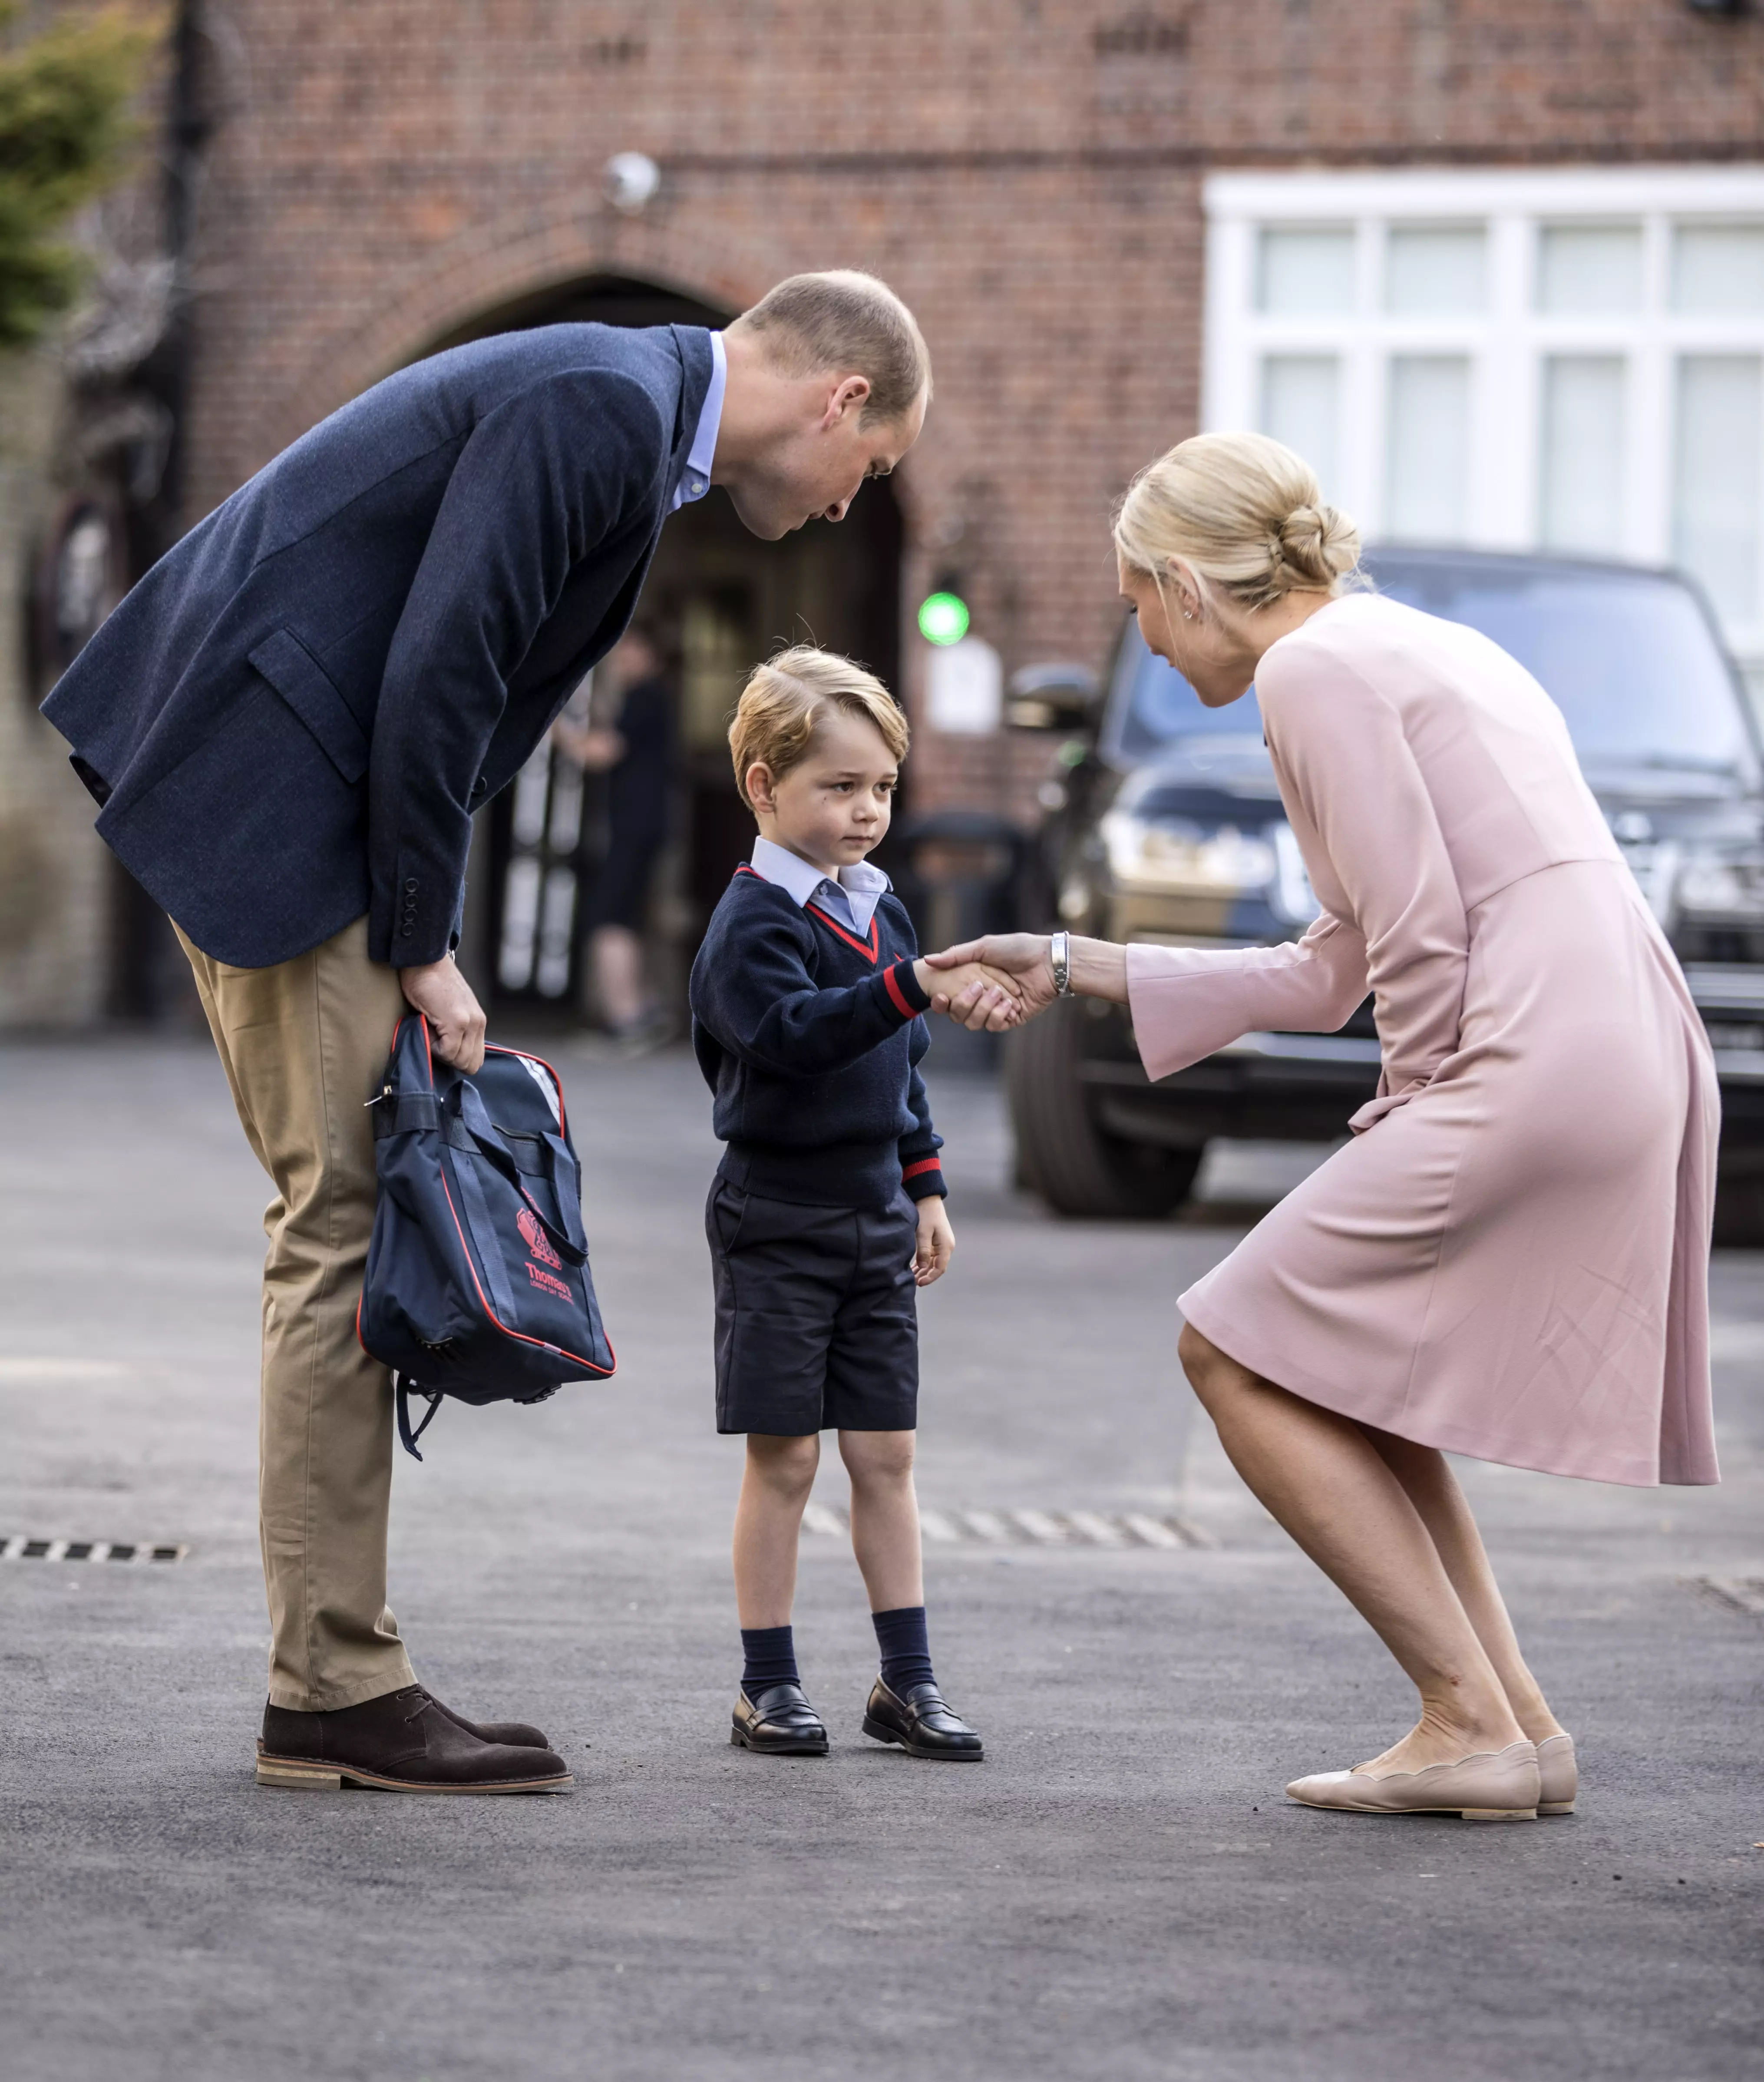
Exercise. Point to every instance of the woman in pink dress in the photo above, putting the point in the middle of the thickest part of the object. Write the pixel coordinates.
(1509, 1258)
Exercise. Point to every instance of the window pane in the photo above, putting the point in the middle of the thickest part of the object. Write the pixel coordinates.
(1428, 451)
(1304, 273)
(1582, 474)
(1590, 267)
(1716, 480)
(1718, 267)
(1299, 404)
(1439, 269)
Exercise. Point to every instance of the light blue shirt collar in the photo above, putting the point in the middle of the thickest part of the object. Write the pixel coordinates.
(852, 899)
(695, 479)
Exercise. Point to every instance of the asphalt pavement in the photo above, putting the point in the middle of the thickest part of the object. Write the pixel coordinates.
(1119, 1891)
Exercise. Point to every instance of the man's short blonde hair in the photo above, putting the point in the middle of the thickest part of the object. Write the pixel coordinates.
(785, 699)
(845, 323)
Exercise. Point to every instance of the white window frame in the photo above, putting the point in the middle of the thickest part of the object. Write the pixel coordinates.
(1506, 344)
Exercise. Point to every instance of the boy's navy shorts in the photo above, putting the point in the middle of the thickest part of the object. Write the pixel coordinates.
(817, 1315)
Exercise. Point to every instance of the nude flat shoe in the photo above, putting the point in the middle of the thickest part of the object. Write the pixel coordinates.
(1559, 1777)
(1493, 1785)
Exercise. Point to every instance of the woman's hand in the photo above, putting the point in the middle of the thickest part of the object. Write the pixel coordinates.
(973, 995)
(1022, 958)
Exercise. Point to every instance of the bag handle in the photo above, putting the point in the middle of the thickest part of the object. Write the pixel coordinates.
(466, 1102)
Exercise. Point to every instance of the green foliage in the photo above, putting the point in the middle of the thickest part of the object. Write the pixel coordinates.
(66, 124)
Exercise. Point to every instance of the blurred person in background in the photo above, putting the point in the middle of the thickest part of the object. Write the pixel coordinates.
(629, 739)
(287, 724)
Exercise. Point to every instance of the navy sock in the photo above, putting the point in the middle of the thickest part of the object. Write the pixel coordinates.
(769, 1658)
(906, 1649)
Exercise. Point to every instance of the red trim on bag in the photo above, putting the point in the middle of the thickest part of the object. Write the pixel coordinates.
(918, 1170)
(891, 978)
(492, 1048)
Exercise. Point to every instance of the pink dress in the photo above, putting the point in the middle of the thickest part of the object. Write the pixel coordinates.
(1510, 1257)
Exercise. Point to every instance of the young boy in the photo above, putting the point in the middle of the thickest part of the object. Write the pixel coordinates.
(827, 1212)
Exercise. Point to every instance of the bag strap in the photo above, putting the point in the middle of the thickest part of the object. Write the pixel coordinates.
(466, 1106)
(406, 1436)
(490, 1251)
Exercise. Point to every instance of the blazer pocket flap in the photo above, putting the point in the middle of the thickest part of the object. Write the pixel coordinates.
(310, 692)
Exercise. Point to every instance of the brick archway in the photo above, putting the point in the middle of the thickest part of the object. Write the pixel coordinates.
(499, 262)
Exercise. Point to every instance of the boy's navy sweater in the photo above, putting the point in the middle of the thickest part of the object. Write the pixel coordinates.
(810, 1038)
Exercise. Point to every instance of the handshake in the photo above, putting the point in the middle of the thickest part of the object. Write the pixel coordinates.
(991, 985)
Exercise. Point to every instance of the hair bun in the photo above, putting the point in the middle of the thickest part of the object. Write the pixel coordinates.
(1318, 544)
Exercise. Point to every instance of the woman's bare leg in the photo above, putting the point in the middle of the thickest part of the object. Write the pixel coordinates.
(1323, 1479)
(1444, 1510)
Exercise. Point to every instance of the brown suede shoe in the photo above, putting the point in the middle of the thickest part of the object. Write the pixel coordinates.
(510, 1734)
(403, 1742)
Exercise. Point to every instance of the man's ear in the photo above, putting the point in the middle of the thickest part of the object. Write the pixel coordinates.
(759, 784)
(846, 400)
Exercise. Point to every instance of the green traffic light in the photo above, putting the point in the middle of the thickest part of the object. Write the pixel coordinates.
(943, 618)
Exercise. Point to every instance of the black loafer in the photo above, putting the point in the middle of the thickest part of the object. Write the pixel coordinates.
(403, 1742)
(921, 1724)
(780, 1723)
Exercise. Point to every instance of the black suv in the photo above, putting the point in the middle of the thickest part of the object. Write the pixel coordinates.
(1165, 825)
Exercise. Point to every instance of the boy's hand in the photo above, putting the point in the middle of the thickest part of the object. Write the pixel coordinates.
(973, 994)
(937, 1241)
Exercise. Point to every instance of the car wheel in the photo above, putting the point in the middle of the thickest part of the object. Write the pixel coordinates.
(1062, 1153)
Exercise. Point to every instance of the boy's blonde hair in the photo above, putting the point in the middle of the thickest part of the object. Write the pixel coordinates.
(785, 699)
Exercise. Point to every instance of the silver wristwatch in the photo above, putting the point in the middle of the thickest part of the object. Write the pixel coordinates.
(1059, 961)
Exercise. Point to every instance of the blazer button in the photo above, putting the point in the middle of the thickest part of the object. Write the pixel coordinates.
(406, 932)
(410, 886)
(478, 787)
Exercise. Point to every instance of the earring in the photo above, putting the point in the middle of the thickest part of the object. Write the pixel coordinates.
(1187, 614)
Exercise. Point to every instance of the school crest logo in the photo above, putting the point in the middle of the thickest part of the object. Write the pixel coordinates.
(537, 1242)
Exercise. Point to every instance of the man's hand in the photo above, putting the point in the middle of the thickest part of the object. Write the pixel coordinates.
(937, 1241)
(442, 994)
(984, 995)
(1020, 959)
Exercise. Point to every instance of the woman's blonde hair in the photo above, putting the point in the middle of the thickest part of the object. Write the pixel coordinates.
(1245, 512)
(785, 699)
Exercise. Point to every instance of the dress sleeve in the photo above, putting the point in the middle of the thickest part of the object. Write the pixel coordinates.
(1340, 743)
(1187, 1001)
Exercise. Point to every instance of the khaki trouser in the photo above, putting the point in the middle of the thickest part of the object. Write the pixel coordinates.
(303, 1044)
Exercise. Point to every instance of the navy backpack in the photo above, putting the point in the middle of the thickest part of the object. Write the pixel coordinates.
(477, 1281)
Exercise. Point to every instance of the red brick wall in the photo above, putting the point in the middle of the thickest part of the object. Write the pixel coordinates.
(1025, 172)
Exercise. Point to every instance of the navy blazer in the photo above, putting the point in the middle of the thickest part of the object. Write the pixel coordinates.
(290, 719)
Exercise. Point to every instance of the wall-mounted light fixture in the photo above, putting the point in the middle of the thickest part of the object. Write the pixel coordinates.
(633, 179)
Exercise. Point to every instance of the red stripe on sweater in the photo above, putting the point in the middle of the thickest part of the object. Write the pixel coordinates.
(891, 979)
(918, 1170)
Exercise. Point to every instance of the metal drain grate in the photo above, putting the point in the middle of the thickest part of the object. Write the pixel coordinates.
(1744, 1594)
(1030, 1528)
(18, 1547)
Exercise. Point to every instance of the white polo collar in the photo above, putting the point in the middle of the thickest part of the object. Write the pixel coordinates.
(861, 887)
